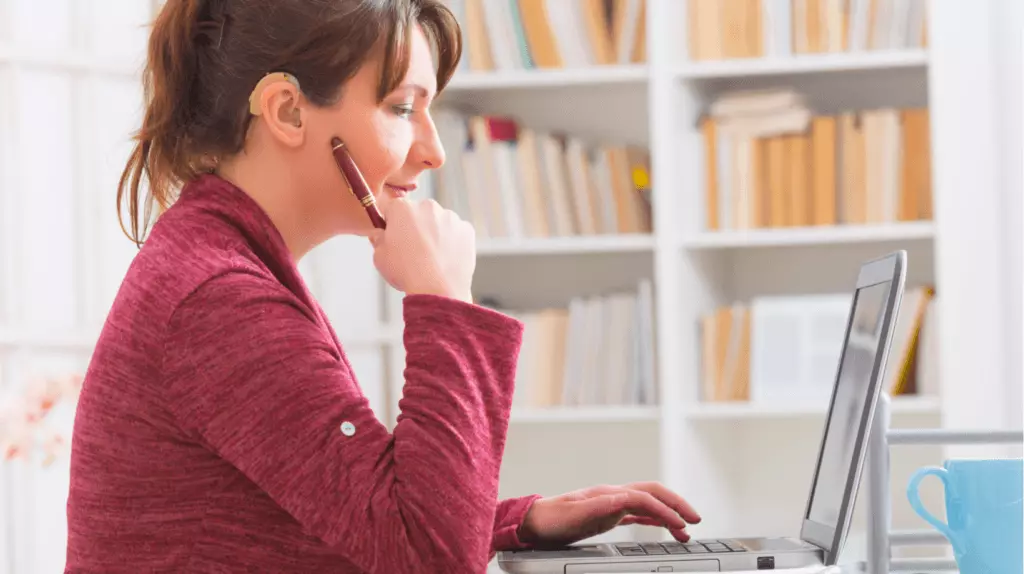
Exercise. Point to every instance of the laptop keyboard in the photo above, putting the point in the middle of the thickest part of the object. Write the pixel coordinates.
(692, 547)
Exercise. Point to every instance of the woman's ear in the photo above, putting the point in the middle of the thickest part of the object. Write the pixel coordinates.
(280, 107)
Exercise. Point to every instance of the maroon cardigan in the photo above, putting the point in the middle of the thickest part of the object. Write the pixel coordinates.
(221, 428)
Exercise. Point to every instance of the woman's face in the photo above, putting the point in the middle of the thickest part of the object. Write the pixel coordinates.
(392, 142)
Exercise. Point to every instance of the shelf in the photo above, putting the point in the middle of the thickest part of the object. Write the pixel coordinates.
(43, 341)
(751, 411)
(548, 78)
(72, 61)
(911, 231)
(566, 245)
(805, 64)
(828, 83)
(383, 335)
(588, 414)
(575, 101)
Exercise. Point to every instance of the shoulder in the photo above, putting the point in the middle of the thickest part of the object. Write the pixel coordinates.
(185, 252)
(233, 295)
(181, 258)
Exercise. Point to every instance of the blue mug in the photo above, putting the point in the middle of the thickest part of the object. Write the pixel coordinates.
(984, 510)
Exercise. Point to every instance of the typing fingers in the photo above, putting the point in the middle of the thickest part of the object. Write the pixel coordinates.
(642, 503)
(671, 499)
(679, 534)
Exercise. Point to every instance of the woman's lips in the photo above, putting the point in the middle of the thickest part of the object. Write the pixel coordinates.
(400, 190)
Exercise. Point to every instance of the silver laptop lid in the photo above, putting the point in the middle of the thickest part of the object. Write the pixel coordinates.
(854, 395)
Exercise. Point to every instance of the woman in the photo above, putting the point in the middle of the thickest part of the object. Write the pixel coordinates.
(220, 427)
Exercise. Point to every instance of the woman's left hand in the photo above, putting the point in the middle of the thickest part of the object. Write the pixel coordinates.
(568, 518)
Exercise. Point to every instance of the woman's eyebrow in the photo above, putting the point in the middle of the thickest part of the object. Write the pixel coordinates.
(419, 89)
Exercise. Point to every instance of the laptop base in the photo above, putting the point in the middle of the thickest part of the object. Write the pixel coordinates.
(721, 555)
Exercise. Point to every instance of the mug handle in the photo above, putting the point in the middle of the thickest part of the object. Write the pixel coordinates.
(915, 501)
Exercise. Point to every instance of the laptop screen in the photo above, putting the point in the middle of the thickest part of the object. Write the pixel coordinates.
(850, 403)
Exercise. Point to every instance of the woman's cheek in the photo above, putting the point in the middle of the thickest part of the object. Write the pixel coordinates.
(384, 146)
(396, 140)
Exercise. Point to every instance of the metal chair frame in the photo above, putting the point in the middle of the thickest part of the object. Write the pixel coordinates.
(881, 537)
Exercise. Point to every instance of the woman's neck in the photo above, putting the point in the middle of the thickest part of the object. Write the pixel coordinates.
(272, 188)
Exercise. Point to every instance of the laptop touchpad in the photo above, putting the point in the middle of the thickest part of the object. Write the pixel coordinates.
(636, 566)
(582, 551)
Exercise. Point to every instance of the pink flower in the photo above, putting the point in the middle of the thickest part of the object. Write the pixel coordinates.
(22, 418)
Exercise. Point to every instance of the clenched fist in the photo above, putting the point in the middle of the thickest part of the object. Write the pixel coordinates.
(426, 249)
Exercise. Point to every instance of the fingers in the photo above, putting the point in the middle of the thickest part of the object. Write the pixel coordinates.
(679, 534)
(642, 503)
(376, 237)
(659, 491)
(670, 499)
(384, 203)
(641, 520)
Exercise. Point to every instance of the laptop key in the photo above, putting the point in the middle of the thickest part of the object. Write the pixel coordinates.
(654, 549)
(696, 549)
(675, 548)
(631, 551)
(735, 547)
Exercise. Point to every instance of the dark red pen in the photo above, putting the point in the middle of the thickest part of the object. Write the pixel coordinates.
(356, 183)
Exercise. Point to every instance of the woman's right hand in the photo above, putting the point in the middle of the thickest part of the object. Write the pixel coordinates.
(426, 249)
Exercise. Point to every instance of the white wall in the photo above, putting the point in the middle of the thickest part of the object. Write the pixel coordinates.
(1008, 47)
(968, 96)
(1006, 99)
(63, 138)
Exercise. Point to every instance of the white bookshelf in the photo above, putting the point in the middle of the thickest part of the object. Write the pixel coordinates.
(805, 64)
(549, 78)
(746, 466)
(822, 236)
(740, 411)
(601, 414)
(623, 243)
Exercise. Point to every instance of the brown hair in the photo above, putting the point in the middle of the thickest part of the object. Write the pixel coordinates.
(206, 56)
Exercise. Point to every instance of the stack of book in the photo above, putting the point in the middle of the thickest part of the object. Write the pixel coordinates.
(729, 29)
(512, 181)
(771, 162)
(597, 352)
(528, 34)
(785, 349)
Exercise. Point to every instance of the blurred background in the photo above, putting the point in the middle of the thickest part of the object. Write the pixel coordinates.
(674, 195)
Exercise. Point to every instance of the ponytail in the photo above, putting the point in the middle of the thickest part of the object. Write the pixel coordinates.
(161, 153)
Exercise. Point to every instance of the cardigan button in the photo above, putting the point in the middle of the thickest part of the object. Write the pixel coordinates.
(348, 429)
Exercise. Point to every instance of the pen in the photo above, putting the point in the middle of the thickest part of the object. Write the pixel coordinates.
(356, 183)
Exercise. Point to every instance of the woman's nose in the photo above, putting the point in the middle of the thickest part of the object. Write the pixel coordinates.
(428, 149)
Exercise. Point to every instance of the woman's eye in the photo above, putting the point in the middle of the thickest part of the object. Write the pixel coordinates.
(403, 111)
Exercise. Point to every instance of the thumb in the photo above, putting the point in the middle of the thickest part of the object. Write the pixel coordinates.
(376, 237)
(384, 202)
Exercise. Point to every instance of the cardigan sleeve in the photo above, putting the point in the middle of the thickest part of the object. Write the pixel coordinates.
(507, 520)
(253, 375)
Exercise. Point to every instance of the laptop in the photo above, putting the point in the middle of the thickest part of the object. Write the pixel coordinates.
(840, 461)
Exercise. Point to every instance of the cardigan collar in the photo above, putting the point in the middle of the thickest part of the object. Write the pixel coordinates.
(219, 197)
